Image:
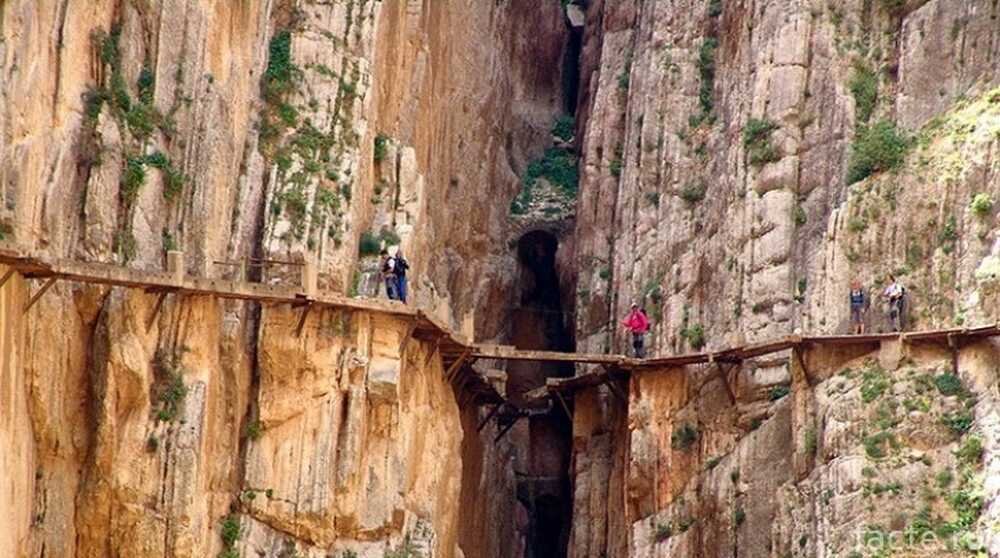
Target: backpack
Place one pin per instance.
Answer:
(401, 266)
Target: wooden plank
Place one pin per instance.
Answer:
(48, 285)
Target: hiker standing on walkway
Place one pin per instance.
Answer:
(389, 275)
(859, 305)
(400, 268)
(895, 293)
(638, 323)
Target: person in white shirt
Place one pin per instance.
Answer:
(895, 293)
(389, 275)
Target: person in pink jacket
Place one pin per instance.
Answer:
(638, 323)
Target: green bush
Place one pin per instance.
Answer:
(133, 178)
(693, 192)
(778, 392)
(958, 422)
(811, 441)
(254, 430)
(970, 451)
(739, 516)
(875, 445)
(369, 244)
(172, 398)
(864, 89)
(874, 382)
(662, 532)
(564, 127)
(280, 75)
(695, 336)
(230, 534)
(981, 204)
(706, 69)
(876, 148)
(389, 237)
(381, 147)
(757, 141)
(684, 437)
(949, 384)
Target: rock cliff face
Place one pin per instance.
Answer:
(741, 163)
(734, 165)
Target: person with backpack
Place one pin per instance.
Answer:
(389, 275)
(400, 268)
(896, 294)
(859, 305)
(638, 324)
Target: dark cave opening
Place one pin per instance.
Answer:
(540, 323)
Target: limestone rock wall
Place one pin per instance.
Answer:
(155, 437)
(852, 451)
(282, 129)
(750, 239)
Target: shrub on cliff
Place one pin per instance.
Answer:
(564, 127)
(369, 244)
(864, 88)
(684, 437)
(876, 148)
(757, 141)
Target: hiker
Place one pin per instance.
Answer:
(389, 275)
(895, 293)
(859, 305)
(400, 268)
(638, 323)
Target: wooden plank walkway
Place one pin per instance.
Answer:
(457, 353)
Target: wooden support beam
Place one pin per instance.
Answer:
(156, 309)
(490, 415)
(614, 389)
(565, 407)
(507, 428)
(453, 369)
(48, 285)
(302, 319)
(6, 276)
(412, 327)
(433, 351)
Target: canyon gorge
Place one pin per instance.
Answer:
(731, 166)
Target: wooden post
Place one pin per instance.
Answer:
(48, 285)
(310, 279)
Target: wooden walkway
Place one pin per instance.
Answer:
(733, 356)
(457, 353)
